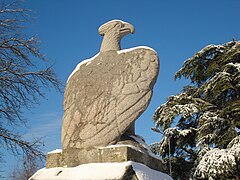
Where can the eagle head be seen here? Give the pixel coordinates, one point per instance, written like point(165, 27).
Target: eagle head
point(113, 31)
point(117, 26)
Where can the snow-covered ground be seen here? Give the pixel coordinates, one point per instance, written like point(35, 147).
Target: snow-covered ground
point(99, 171)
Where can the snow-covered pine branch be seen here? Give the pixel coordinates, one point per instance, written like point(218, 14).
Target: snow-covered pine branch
point(220, 163)
point(182, 104)
point(209, 111)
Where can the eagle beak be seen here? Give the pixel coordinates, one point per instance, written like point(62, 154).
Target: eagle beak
point(127, 28)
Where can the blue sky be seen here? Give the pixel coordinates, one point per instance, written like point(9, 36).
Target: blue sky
point(68, 31)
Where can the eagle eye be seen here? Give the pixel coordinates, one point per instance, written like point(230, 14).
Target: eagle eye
point(119, 25)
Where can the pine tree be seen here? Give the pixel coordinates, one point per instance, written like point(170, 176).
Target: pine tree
point(201, 125)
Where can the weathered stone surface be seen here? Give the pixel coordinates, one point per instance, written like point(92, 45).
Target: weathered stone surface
point(106, 95)
point(55, 160)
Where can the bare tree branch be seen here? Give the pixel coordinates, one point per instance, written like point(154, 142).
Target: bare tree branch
point(25, 73)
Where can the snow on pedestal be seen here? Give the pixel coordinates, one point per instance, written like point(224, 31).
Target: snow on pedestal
point(99, 171)
point(55, 151)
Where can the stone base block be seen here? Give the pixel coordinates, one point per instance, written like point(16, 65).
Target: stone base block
point(114, 153)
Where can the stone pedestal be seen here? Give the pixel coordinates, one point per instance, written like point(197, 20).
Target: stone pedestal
point(109, 154)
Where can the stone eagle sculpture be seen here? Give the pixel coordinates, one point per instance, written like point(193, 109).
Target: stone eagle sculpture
point(106, 94)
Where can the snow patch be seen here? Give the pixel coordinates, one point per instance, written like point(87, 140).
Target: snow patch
point(55, 151)
point(86, 62)
point(185, 132)
point(145, 173)
point(123, 145)
point(138, 47)
point(99, 171)
point(141, 141)
point(237, 130)
point(235, 65)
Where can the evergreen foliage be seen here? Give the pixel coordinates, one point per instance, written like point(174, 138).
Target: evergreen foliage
point(206, 116)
